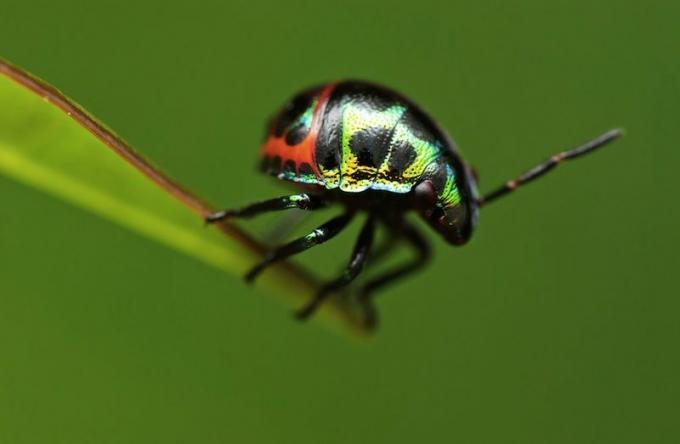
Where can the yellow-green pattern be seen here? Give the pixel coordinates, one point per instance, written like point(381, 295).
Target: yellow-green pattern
point(355, 175)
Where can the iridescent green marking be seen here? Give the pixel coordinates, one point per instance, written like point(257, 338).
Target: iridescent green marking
point(354, 120)
point(299, 127)
point(426, 154)
point(450, 196)
point(305, 119)
point(331, 177)
point(314, 235)
point(308, 178)
point(294, 176)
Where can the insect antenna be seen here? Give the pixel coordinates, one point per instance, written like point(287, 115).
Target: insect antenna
point(549, 164)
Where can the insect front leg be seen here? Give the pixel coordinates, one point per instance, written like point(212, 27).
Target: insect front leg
point(302, 201)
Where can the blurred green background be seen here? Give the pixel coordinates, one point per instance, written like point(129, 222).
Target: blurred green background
point(558, 323)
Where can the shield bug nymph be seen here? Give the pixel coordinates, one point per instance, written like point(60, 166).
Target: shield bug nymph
point(374, 151)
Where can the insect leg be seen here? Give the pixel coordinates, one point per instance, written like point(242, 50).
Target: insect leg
point(551, 163)
point(302, 201)
point(320, 235)
point(367, 292)
point(356, 263)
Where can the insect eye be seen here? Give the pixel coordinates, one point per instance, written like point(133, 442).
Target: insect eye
point(425, 195)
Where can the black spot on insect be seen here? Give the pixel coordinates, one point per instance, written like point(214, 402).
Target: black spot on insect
point(297, 134)
point(294, 109)
point(289, 167)
point(274, 165)
point(306, 169)
point(370, 146)
point(403, 155)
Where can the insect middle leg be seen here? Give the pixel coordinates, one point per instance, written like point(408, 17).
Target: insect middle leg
point(356, 264)
point(302, 201)
point(367, 292)
point(320, 235)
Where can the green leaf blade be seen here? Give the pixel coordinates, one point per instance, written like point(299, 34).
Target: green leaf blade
point(47, 147)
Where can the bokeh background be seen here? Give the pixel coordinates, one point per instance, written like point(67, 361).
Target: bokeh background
point(558, 323)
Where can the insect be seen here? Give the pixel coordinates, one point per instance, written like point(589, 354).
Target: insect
point(372, 150)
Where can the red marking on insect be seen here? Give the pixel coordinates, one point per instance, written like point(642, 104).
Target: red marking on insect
point(305, 151)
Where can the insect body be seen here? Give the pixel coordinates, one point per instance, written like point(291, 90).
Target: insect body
point(373, 150)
